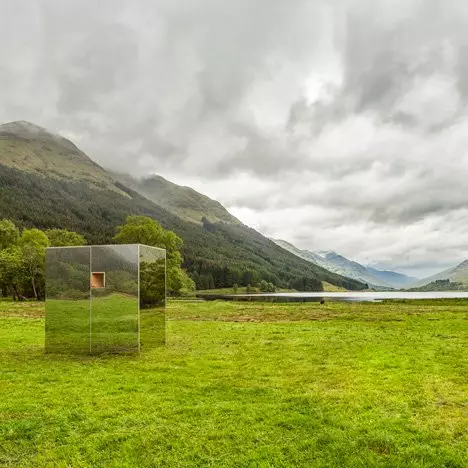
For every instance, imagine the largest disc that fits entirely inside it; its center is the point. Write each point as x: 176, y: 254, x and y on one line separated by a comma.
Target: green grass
x: 328, y: 287
x: 246, y: 384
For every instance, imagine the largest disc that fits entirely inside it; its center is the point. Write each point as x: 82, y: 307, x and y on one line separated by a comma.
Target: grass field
x: 246, y: 384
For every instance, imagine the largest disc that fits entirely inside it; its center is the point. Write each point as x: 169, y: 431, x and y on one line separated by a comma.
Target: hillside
x: 440, y: 285
x: 80, y: 195
x: 397, y: 280
x: 343, y: 266
x: 457, y: 274
x: 30, y: 148
x: 185, y: 202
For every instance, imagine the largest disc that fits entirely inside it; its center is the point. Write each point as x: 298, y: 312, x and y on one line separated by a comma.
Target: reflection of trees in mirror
x: 75, y: 276
x: 146, y: 231
x: 152, y: 283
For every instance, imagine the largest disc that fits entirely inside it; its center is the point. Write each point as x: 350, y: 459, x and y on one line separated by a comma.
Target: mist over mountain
x: 397, y: 280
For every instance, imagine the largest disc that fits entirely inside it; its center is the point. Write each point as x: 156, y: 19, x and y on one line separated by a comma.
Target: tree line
x: 22, y: 254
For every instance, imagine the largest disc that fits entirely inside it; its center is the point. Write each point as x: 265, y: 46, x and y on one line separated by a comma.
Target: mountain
x: 456, y: 274
x: 33, y: 149
x: 47, y: 182
x: 397, y: 280
x: 440, y: 285
x: 341, y: 265
x: 308, y: 255
x: 185, y: 202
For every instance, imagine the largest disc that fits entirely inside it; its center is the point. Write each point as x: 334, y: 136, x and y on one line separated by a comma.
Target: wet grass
x: 246, y: 384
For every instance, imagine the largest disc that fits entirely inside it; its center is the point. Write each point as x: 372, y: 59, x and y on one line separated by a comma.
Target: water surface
x: 347, y: 296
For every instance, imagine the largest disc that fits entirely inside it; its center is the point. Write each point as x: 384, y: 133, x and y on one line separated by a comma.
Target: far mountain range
x: 373, y: 277
x: 343, y: 266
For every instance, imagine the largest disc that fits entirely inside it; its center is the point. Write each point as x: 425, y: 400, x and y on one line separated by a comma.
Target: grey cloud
x: 349, y: 111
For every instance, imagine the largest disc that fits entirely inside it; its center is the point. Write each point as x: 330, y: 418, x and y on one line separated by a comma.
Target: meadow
x: 246, y: 385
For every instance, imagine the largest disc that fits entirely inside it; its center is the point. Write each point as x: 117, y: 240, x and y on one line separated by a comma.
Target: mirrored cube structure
x: 105, y: 299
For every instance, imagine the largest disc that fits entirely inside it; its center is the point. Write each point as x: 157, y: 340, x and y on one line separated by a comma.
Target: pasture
x: 245, y: 385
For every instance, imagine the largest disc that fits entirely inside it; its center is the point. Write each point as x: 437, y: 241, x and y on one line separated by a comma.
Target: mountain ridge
x: 184, y: 201
x: 339, y: 264
x: 456, y: 274
x: 28, y: 147
x: 83, y: 197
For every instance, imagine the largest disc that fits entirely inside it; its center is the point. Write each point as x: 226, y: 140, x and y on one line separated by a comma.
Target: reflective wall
x: 68, y: 297
x: 108, y: 298
x: 114, y: 307
x: 152, y: 297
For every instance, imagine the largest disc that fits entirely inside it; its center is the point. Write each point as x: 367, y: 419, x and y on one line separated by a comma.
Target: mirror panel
x: 67, y: 323
x: 114, y: 303
x: 152, y: 297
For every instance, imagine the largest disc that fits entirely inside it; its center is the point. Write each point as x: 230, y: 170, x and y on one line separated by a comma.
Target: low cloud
x: 335, y: 125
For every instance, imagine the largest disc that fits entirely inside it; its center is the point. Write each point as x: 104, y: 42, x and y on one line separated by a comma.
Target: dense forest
x: 215, y: 254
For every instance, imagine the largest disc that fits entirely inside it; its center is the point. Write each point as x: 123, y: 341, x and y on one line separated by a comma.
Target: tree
x: 9, y: 234
x: 11, y: 271
x: 64, y: 238
x: 33, y: 243
x: 265, y: 286
x: 144, y: 230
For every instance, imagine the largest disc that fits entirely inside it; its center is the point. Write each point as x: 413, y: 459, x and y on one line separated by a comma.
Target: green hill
x: 440, y: 285
x: 457, y: 275
x: 30, y: 148
x: 185, y: 202
x: 46, y: 182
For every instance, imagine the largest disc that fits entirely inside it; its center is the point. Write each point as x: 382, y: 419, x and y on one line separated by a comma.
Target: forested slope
x: 216, y: 254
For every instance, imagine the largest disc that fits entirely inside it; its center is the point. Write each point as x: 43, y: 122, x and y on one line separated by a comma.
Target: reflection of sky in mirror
x: 128, y: 253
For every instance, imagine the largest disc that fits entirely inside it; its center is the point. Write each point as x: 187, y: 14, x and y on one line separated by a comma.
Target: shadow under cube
x: 105, y: 299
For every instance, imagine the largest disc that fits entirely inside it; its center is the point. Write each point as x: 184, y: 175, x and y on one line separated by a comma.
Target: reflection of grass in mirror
x: 152, y: 327
x: 114, y: 323
x: 246, y: 384
x: 67, y: 326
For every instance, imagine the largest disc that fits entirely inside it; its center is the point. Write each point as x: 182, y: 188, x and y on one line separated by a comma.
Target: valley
x: 46, y: 182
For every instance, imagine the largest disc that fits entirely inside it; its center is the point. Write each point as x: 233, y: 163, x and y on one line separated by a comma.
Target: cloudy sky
x: 333, y: 124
